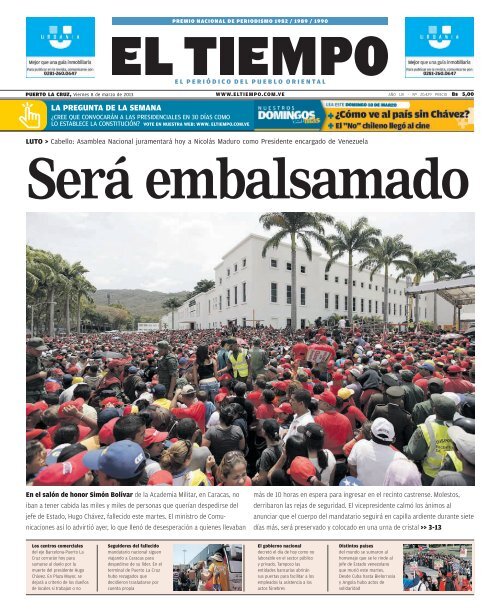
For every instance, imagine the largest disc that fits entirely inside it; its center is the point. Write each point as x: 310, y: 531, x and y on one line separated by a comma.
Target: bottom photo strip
x: 311, y: 567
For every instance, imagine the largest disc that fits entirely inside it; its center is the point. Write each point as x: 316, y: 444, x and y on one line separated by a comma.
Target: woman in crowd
x: 225, y: 436
x: 205, y: 372
x: 269, y: 429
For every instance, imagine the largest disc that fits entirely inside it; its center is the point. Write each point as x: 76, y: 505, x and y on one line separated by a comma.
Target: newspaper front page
x: 250, y: 263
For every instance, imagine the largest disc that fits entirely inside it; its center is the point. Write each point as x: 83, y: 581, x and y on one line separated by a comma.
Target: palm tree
x: 359, y: 236
x: 299, y: 227
x: 418, y: 265
x: 386, y: 252
x: 172, y: 304
x: 440, y: 262
x: 81, y: 287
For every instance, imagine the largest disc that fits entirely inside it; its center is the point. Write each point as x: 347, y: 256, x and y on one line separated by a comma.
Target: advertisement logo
x: 289, y: 116
x: 60, y: 36
x: 439, y: 36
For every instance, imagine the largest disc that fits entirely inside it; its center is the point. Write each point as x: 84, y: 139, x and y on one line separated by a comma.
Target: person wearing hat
x: 238, y: 361
x: 168, y: 367
x: 424, y: 409
x: 337, y: 427
x: 258, y: 359
x: 413, y: 393
x: 430, y: 441
x: 346, y: 406
x: 455, y: 382
x: 424, y: 374
x: 387, y: 380
x: 119, y: 464
x: 217, y: 572
x: 35, y: 374
x: 465, y: 449
x: 189, y: 407
x: 70, y: 473
x: 369, y: 459
x: 159, y: 393
x: 130, y: 382
x: 395, y: 413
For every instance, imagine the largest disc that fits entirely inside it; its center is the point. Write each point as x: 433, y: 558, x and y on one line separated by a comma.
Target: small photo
x: 437, y: 567
x: 207, y: 567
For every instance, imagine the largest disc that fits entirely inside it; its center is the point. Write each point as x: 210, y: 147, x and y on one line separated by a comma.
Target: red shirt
x: 458, y: 385
x: 196, y: 411
x: 354, y: 414
x: 337, y: 428
x: 265, y: 411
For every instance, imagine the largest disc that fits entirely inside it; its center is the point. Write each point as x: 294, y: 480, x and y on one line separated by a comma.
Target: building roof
x: 459, y: 292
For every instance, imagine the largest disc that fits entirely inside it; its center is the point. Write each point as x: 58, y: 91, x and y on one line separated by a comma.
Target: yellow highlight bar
x: 23, y: 115
x: 399, y: 116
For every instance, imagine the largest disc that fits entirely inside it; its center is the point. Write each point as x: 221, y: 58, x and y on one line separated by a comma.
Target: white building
x: 252, y: 289
x: 147, y: 327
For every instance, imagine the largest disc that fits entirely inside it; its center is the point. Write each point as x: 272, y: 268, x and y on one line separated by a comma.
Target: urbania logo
x: 60, y: 37
x: 439, y: 39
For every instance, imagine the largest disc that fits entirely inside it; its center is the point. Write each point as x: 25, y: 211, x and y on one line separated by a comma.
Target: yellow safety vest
x: 240, y: 365
x: 459, y: 466
x: 438, y: 443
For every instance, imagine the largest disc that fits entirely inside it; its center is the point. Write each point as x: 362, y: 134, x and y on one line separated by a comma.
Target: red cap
x: 301, y: 470
x: 455, y: 369
x: 51, y: 386
x: 338, y: 376
x: 287, y: 366
x: 280, y: 385
x: 62, y: 474
x: 78, y: 403
x: 162, y: 478
x: 322, y: 338
x: 36, y: 434
x: 106, y: 435
x: 224, y: 377
x: 399, y: 356
x: 152, y: 436
x: 220, y: 397
x: 328, y: 397
x: 114, y: 401
x: 41, y: 405
x: 30, y: 408
x: 284, y: 408
x: 116, y: 363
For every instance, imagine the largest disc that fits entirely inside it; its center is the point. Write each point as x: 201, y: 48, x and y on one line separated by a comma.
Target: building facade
x: 251, y: 289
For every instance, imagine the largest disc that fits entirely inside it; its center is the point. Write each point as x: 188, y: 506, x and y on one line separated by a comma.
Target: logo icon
x: 30, y: 119
x: 439, y: 40
x: 60, y: 37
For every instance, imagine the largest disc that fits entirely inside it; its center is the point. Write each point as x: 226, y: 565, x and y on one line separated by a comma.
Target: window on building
x: 236, y: 267
x: 336, y: 302
x: 394, y: 309
x: 235, y: 295
x: 376, y: 287
x: 302, y: 323
x: 302, y: 296
x: 400, y: 310
x: 244, y: 292
x: 345, y: 302
x: 220, y: 302
x: 376, y: 307
x: 353, y: 283
x: 289, y: 294
x: 289, y: 266
x: 274, y: 263
x: 336, y: 279
x: 326, y: 277
x: 370, y: 286
x: 369, y: 306
x: 289, y: 322
x: 327, y: 299
x: 274, y: 293
x: 400, y: 292
x: 354, y: 304
x: 362, y: 304
x: 228, y: 297
x: 345, y: 281
x: 302, y: 269
x: 425, y: 313
x: 209, y: 306
x: 244, y: 321
x: 220, y: 280
x: 244, y: 262
x: 362, y: 285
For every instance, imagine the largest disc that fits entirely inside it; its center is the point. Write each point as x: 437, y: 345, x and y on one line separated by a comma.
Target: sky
x: 171, y: 252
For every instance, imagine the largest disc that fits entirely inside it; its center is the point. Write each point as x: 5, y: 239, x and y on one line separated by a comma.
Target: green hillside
x: 146, y: 304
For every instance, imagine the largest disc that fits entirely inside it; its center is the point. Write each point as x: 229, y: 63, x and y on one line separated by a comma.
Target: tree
x: 359, y: 236
x: 386, y: 252
x: 202, y: 286
x: 299, y: 227
x: 418, y: 265
x: 172, y: 304
x: 440, y: 263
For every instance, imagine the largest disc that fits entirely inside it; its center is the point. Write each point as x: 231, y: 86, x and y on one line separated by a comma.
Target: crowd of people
x: 449, y: 572
x: 251, y: 407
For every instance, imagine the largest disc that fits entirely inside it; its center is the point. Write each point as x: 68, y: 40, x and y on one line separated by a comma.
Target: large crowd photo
x: 379, y: 393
